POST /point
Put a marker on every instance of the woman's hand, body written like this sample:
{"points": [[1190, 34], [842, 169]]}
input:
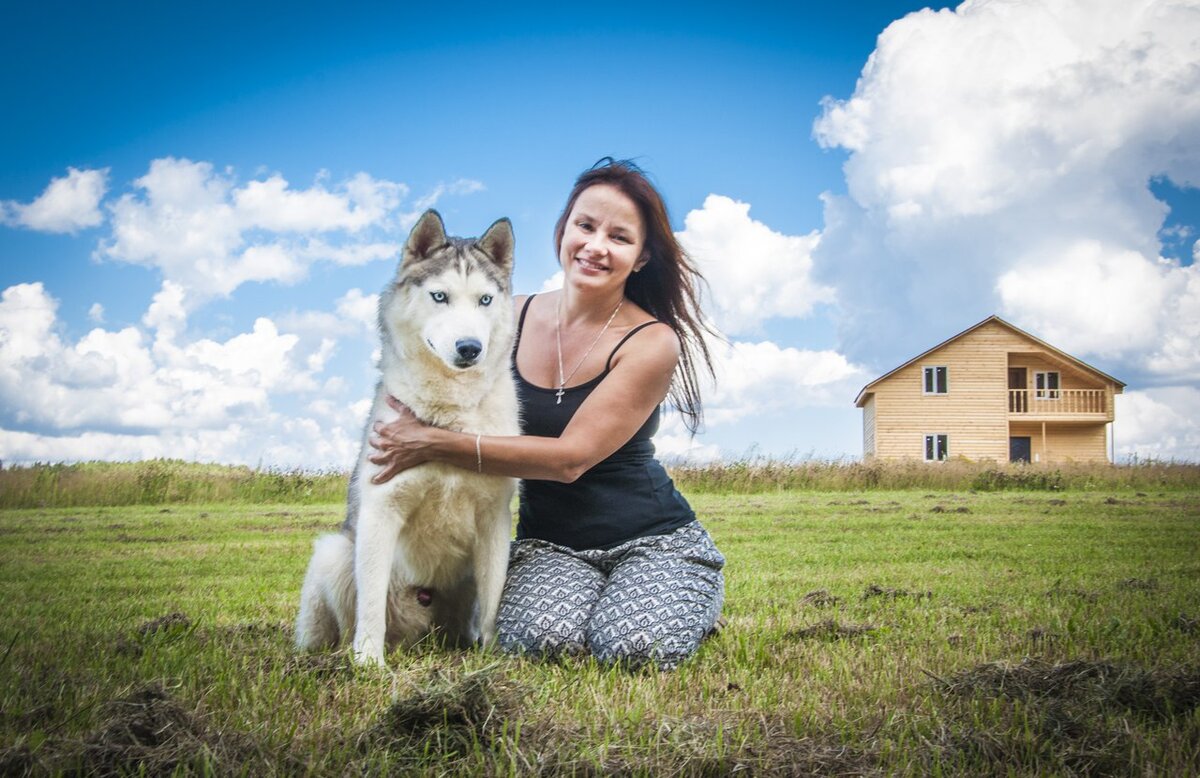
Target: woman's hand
{"points": [[400, 443]]}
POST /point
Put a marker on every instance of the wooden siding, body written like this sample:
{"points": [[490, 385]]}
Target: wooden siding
{"points": [[974, 412], [869, 428], [1064, 442]]}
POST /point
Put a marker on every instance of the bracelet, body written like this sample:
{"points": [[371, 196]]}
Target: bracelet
{"points": [[478, 454]]}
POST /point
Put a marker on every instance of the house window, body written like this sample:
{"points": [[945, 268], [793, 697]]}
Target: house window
{"points": [[1045, 385], [937, 448], [936, 380]]}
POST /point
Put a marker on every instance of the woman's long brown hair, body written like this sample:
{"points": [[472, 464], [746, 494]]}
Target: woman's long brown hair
{"points": [[667, 286]]}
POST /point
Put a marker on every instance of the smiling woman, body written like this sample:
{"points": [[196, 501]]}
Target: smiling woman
{"points": [[609, 558]]}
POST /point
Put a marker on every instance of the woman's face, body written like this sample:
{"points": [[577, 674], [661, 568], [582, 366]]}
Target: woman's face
{"points": [[603, 238]]}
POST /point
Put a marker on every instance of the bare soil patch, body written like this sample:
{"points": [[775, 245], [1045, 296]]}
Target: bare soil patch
{"points": [[820, 598], [830, 629], [875, 590]]}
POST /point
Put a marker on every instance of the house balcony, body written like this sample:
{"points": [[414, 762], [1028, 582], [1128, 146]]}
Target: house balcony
{"points": [[1060, 405]]}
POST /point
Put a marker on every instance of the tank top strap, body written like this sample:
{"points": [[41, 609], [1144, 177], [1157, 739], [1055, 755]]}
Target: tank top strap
{"points": [[521, 322], [628, 335]]}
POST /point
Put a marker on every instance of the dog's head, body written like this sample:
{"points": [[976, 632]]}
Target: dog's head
{"points": [[452, 296]]}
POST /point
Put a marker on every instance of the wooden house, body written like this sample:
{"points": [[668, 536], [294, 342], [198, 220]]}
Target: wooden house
{"points": [[992, 392]]}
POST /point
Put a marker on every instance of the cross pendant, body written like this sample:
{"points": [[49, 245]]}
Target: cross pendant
{"points": [[559, 395]]}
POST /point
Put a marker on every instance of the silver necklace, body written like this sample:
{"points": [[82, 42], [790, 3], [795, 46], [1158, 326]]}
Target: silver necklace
{"points": [[562, 380]]}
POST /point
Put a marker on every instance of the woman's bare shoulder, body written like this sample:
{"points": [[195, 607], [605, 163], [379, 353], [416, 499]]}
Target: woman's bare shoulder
{"points": [[654, 342]]}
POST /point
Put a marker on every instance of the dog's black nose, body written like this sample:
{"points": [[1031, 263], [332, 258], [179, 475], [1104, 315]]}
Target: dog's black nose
{"points": [[468, 349]]}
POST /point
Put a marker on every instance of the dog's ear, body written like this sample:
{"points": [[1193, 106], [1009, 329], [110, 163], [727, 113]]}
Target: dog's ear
{"points": [[498, 243], [427, 235]]}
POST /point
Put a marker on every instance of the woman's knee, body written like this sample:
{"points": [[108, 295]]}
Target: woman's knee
{"points": [[541, 634], [638, 648], [546, 604]]}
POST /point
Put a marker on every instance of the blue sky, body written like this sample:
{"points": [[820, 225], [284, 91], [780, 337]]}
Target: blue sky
{"points": [[854, 198]]}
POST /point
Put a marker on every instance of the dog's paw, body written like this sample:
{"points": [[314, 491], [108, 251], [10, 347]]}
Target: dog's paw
{"points": [[369, 659]]}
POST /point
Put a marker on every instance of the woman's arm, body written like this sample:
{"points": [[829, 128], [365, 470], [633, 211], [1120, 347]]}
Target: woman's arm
{"points": [[607, 419]]}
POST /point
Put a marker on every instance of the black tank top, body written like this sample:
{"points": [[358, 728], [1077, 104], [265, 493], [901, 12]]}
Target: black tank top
{"points": [[626, 496]]}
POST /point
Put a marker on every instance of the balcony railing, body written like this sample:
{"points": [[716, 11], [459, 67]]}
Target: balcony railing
{"points": [[1057, 401]]}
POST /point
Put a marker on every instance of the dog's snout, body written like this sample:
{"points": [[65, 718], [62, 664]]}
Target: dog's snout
{"points": [[468, 349]]}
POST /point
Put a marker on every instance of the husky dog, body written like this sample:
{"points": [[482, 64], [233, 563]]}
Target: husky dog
{"points": [[428, 549]]}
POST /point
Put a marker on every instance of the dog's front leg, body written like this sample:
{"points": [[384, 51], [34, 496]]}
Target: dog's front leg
{"points": [[491, 565], [374, 548]]}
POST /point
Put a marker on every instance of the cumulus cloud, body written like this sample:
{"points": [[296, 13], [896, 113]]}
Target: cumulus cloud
{"points": [[999, 161], [68, 204], [554, 282], [766, 378], [674, 444], [354, 314], [137, 393], [360, 308], [208, 234], [272, 204], [1092, 299], [754, 273], [1158, 423]]}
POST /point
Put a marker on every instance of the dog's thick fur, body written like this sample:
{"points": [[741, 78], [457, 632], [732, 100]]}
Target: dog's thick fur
{"points": [[446, 330]]}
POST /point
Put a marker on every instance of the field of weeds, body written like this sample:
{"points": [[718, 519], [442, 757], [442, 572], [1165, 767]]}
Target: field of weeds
{"points": [[915, 631]]}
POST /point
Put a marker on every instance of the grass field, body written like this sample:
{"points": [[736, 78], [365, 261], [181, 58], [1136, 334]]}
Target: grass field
{"points": [[915, 631]]}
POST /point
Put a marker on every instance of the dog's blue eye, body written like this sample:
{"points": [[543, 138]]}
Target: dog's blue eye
{"points": [[438, 297], [485, 300]]}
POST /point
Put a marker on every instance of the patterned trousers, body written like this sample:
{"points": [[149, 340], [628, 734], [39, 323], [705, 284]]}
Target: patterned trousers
{"points": [[651, 600]]}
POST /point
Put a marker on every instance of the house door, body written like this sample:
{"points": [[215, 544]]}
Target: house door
{"points": [[1020, 449], [1018, 402]]}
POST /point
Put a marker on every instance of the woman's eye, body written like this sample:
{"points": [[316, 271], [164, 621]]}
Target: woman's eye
{"points": [[438, 297], [485, 300]]}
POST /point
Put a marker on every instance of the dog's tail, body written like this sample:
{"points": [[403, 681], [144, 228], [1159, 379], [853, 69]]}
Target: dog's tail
{"points": [[327, 597]]}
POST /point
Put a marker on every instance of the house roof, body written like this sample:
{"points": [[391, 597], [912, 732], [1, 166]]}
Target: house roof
{"points": [[1064, 356]]}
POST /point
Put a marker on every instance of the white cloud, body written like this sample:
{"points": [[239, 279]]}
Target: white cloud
{"points": [[166, 314], [67, 205], [767, 379], [754, 273], [999, 161], [272, 205], [674, 444], [121, 395], [360, 308], [1092, 299], [96, 313], [208, 234], [1159, 423], [354, 316], [354, 254], [552, 283]]}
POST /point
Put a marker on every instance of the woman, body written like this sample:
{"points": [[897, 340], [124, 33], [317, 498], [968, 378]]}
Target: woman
{"points": [[609, 557]]}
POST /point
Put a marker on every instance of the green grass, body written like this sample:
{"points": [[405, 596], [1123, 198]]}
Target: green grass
{"points": [[917, 631]]}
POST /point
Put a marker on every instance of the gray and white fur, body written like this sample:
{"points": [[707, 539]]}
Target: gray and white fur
{"points": [[446, 331]]}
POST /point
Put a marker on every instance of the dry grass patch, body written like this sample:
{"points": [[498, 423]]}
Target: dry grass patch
{"points": [[147, 732], [1069, 717], [1091, 685]]}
